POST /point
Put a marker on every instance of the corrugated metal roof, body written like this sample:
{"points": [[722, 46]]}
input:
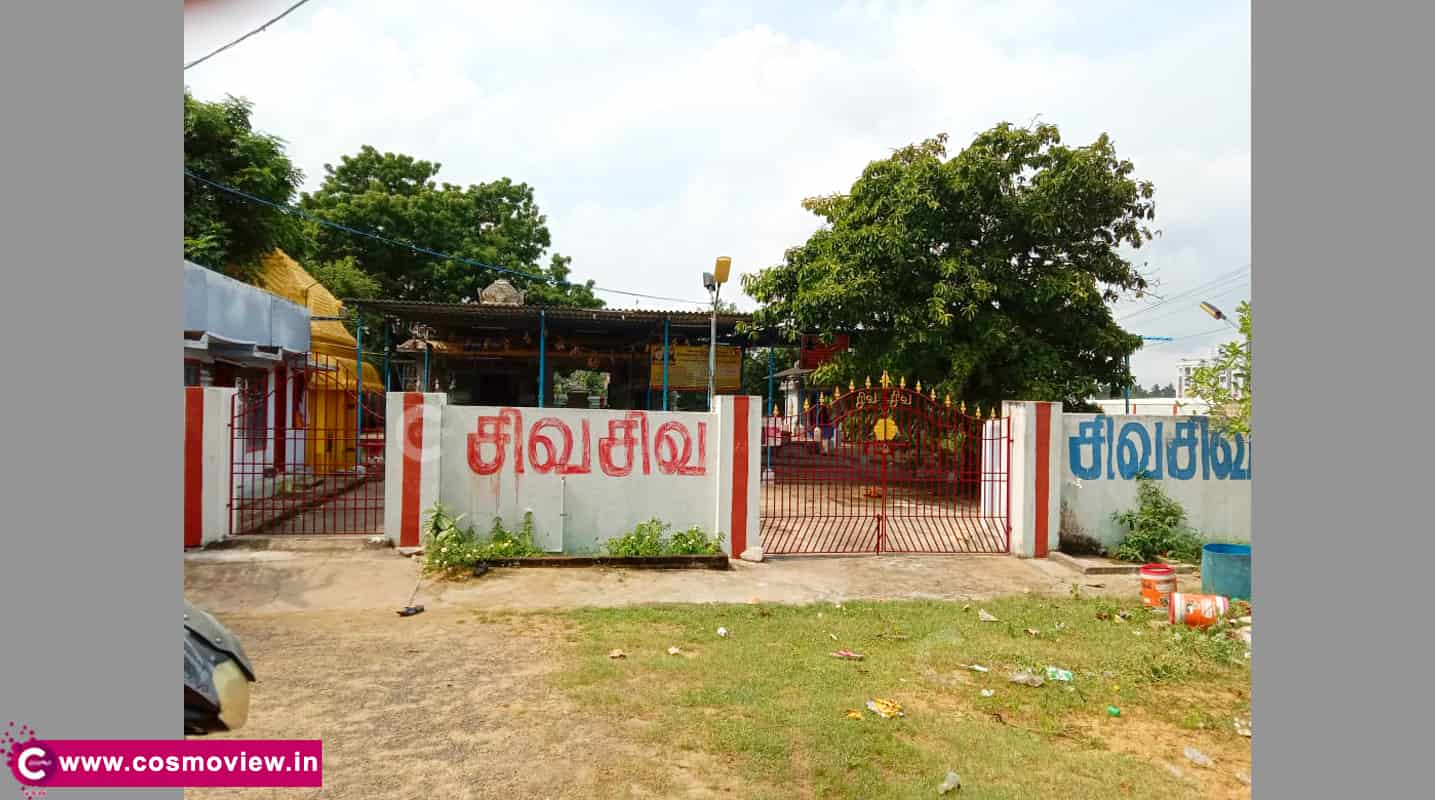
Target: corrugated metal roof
{"points": [[472, 312], [238, 312]]}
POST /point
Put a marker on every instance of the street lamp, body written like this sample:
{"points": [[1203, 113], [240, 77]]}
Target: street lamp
{"points": [[713, 281], [1216, 313]]}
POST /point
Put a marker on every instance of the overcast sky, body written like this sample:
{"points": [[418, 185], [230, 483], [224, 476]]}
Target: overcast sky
{"points": [[658, 135]]}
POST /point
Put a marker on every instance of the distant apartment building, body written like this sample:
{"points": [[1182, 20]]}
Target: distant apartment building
{"points": [[1187, 367]]}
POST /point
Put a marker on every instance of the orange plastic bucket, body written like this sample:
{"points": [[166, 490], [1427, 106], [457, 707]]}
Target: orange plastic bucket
{"points": [[1197, 610], [1158, 581]]}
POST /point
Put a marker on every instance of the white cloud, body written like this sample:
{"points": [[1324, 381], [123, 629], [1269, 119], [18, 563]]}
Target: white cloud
{"points": [[658, 140]]}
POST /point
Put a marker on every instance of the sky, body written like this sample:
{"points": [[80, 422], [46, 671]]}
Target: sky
{"points": [[660, 135]]}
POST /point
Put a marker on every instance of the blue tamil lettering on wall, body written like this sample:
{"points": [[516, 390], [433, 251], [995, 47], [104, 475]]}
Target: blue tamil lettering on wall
{"points": [[1194, 451]]}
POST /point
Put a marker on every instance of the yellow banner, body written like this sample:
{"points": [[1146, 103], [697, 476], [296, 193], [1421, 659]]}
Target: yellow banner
{"points": [[688, 368]]}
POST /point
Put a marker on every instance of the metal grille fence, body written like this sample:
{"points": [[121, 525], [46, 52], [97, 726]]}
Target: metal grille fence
{"points": [[307, 451], [885, 469]]}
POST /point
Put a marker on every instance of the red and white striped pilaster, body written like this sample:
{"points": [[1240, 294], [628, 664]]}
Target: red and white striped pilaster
{"points": [[207, 412], [1035, 475], [411, 463]]}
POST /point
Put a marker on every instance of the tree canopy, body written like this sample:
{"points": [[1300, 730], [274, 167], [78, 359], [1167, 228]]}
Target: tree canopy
{"points": [[398, 197], [986, 274], [224, 231]]}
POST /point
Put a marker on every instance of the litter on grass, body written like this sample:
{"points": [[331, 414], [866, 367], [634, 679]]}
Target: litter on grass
{"points": [[1197, 757], [886, 709], [1058, 674], [1026, 678]]}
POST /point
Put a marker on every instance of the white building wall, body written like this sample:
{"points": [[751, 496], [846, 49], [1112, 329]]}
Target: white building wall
{"points": [[570, 469], [1207, 473]]}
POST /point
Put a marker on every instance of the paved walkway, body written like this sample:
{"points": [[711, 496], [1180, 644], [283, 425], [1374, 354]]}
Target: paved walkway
{"points": [[320, 574]]}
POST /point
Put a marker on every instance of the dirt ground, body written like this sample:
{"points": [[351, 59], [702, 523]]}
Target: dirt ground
{"points": [[440, 705], [459, 702], [317, 574]]}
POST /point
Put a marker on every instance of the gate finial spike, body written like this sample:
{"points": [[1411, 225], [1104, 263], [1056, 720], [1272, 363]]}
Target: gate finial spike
{"points": [[886, 380], [948, 401], [962, 407], [821, 398], [806, 404], [919, 386], [902, 382], [934, 394], [868, 383], [851, 385], [774, 409]]}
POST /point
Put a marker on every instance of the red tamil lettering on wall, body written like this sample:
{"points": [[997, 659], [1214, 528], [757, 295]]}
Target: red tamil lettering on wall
{"points": [[552, 448], [497, 430], [680, 461], [554, 452]]}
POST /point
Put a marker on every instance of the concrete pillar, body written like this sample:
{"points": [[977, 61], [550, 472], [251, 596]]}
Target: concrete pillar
{"points": [[411, 463], [1035, 476], [738, 420], [207, 439]]}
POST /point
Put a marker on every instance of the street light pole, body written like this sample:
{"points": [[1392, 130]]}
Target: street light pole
{"points": [[712, 347], [713, 282]]}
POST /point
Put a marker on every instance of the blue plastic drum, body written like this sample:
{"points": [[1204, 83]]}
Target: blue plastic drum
{"points": [[1226, 570]]}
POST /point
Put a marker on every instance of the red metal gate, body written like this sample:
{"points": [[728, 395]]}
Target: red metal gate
{"points": [[885, 469], [307, 450]]}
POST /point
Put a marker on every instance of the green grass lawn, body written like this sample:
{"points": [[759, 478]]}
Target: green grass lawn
{"points": [[769, 702]]}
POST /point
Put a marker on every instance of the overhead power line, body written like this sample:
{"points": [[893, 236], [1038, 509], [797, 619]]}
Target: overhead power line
{"points": [[299, 212], [1240, 284], [1223, 278], [259, 29], [1188, 337]]}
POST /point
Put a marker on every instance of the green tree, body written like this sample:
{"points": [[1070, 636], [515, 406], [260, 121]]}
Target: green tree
{"points": [[1225, 383], [755, 367], [399, 198], [222, 230], [344, 278], [987, 274]]}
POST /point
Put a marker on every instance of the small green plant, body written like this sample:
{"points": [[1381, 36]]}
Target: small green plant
{"points": [[647, 539], [694, 542], [1156, 527], [503, 543], [651, 539], [453, 547], [448, 547]]}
